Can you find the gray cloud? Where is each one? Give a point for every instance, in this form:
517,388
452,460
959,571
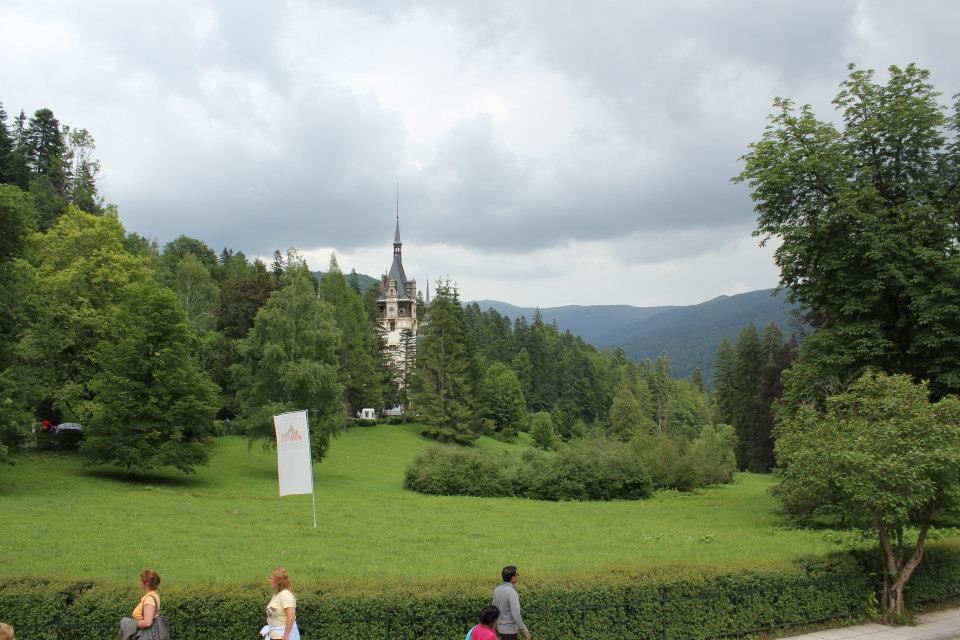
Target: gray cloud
511,127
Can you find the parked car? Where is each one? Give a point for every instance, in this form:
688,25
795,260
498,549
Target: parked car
60,437
66,427
395,411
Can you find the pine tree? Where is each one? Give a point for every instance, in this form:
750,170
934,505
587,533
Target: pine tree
277,266
521,366
441,393
46,150
354,280
724,372
358,349
12,168
696,378
748,410
660,389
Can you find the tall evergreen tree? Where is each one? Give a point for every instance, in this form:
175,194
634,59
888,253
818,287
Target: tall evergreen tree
290,361
660,389
696,378
46,150
441,392
358,347
748,410
724,374
13,170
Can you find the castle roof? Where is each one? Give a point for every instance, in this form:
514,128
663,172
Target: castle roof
396,269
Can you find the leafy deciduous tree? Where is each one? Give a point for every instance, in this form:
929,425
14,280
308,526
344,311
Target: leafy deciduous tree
881,457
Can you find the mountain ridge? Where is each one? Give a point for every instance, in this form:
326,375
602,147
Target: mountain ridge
690,334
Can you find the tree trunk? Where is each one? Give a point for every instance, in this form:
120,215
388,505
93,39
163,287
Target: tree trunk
896,573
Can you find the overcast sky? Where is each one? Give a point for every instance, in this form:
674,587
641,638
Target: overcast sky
548,152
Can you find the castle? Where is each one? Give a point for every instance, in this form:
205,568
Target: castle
398,311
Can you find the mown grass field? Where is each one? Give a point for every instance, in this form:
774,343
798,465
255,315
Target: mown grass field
226,523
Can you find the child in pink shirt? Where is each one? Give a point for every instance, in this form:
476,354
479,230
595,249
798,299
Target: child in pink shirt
488,623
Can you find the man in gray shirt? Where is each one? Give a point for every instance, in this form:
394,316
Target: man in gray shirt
506,599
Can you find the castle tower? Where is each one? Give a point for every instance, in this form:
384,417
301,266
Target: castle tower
398,310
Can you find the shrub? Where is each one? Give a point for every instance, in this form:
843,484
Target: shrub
592,468
676,463
584,469
670,603
449,470
541,429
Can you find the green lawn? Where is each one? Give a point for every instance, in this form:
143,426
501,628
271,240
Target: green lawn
226,523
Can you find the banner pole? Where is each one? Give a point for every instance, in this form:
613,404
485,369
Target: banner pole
313,495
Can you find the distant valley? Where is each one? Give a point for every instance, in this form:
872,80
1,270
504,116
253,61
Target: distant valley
689,334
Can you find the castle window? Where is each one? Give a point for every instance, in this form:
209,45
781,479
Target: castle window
393,325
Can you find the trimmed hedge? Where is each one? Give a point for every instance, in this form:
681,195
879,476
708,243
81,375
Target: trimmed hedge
667,604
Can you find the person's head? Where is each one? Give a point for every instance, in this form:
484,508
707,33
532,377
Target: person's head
510,574
6,632
279,579
489,615
149,580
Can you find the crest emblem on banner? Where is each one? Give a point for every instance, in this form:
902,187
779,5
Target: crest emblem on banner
292,435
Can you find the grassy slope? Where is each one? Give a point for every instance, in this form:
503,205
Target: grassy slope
225,524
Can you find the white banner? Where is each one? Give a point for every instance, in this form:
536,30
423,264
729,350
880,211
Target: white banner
294,467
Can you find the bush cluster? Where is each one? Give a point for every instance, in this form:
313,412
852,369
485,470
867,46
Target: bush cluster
678,463
674,604
584,469
587,468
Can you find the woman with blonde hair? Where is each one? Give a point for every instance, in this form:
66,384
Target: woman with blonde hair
282,609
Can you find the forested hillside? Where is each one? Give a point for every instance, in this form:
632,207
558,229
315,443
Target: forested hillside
690,334
357,281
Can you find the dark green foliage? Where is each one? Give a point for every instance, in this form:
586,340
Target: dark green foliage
13,169
152,406
461,471
541,430
18,219
681,603
290,361
441,387
50,204
501,400
584,469
747,383
46,148
179,248
865,217
592,468
360,283
241,296
359,349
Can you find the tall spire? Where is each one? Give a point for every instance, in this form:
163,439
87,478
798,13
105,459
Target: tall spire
396,237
